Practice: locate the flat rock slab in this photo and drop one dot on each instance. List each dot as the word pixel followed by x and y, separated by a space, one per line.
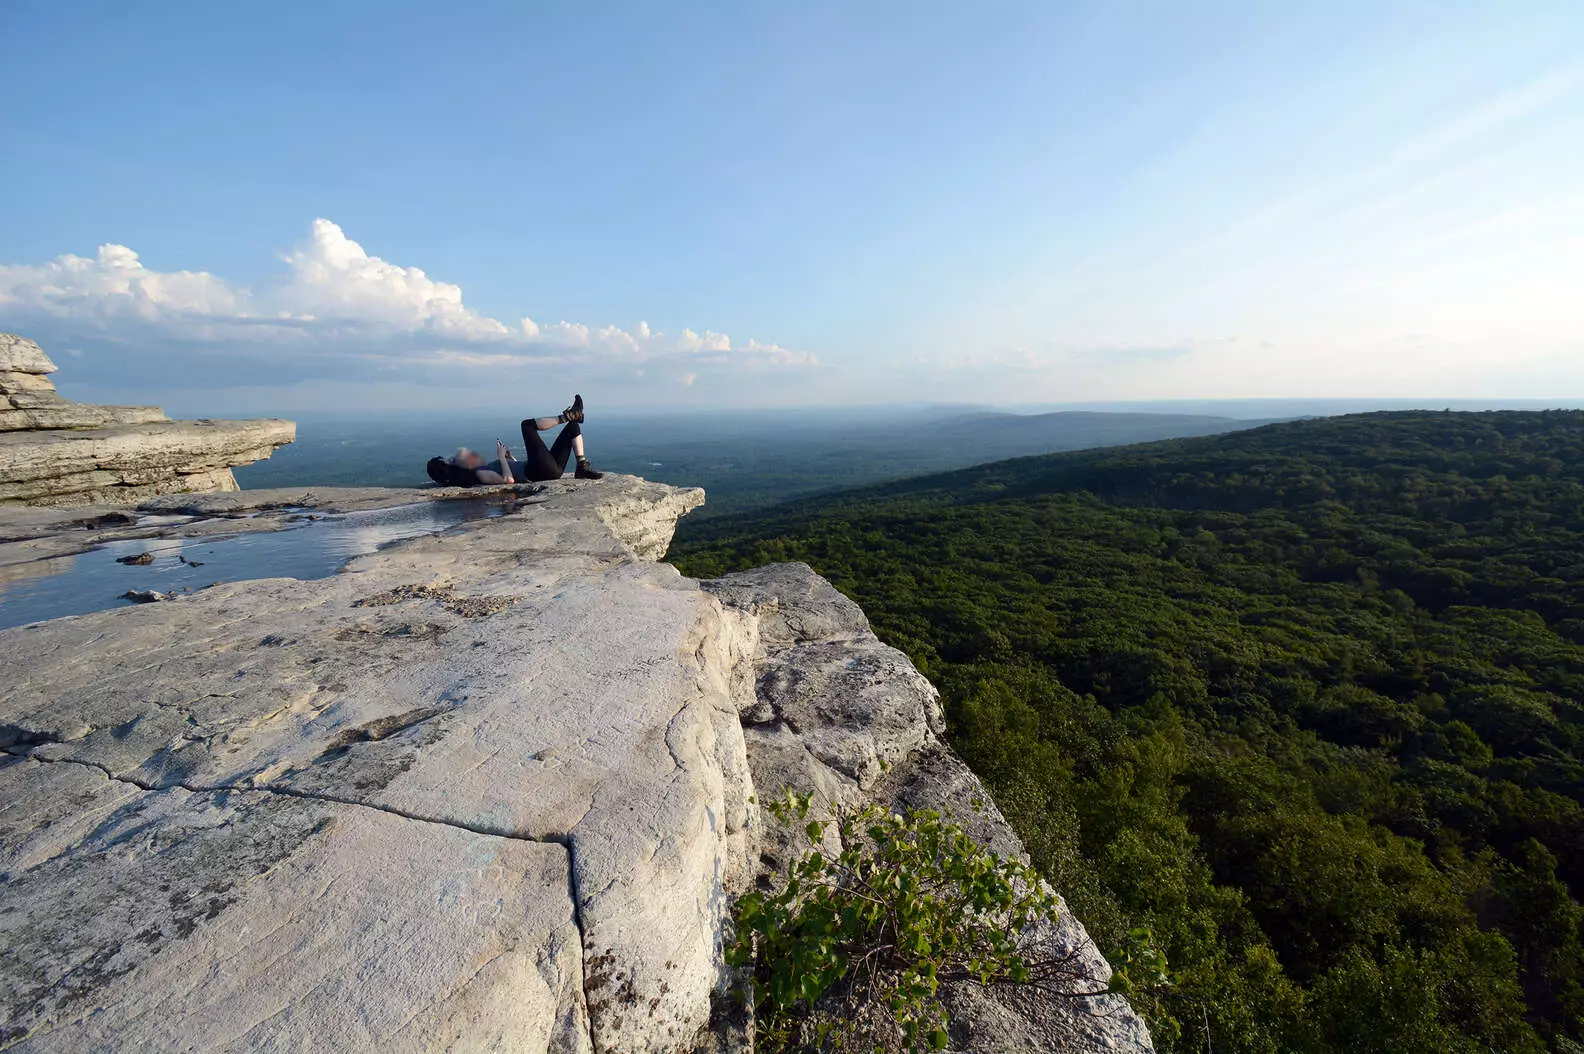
pixel 129 462
pixel 642 514
pixel 33 411
pixel 57 452
pixel 20 355
pixel 320 499
pixel 146 921
pixel 135 448
pixel 12 383
pixel 489 789
pixel 482 790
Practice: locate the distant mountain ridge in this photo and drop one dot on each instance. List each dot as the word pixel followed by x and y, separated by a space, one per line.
pixel 744 460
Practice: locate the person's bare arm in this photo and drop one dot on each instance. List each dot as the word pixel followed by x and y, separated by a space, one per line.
pixel 503 452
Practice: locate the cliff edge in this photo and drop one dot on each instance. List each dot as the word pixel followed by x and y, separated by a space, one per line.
pixel 57 452
pixel 491 789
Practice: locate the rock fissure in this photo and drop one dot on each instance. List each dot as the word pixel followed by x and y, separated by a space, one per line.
pixel 289 792
pixel 584 950
pixel 94 765
pixel 670 729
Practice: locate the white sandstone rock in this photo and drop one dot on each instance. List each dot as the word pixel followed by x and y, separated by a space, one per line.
pixel 57 452
pixel 20 355
pixel 14 382
pixel 850 722
pixel 524 684
pixel 483 790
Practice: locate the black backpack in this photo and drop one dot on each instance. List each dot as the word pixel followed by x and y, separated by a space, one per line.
pixel 449 475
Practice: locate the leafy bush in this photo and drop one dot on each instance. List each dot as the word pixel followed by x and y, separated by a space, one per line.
pixel 851 952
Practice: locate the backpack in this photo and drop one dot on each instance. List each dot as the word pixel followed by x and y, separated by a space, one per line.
pixel 448 475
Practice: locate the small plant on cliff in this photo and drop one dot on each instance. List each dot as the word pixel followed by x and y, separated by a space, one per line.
pixel 851 952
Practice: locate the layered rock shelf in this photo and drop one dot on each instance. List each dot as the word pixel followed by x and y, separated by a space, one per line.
pixel 492 789
pixel 57 452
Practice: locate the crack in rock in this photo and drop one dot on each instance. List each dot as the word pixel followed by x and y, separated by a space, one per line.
pixel 287 792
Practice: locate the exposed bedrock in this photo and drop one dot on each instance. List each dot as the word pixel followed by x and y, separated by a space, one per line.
pixel 485 790
pixel 57 452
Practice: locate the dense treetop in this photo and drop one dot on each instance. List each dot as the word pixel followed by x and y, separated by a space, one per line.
pixel 1306 700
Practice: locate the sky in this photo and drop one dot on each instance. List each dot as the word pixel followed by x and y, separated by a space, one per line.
pixel 677 206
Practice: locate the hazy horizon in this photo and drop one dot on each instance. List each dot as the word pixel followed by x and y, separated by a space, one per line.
pixel 1235 409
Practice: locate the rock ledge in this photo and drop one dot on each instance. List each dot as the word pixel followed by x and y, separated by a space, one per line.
pixel 57 452
pixel 485 790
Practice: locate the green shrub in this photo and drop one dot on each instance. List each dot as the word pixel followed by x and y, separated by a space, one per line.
pixel 851 952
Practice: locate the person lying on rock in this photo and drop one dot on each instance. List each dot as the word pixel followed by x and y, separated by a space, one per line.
pixel 468 468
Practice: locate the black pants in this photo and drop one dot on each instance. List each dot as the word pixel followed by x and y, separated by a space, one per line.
pixel 541 462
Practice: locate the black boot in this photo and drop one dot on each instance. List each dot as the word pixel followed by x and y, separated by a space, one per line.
pixel 573 412
pixel 586 470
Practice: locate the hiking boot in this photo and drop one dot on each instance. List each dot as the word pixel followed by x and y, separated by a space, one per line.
pixel 573 412
pixel 586 470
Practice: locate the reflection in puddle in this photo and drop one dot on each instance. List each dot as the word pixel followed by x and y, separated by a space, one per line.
pixel 92 581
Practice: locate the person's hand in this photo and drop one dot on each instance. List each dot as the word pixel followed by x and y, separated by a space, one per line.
pixel 504 453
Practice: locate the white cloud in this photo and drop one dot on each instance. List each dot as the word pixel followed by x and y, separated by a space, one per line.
pixel 718 347
pixel 775 353
pixel 113 285
pixel 567 334
pixel 334 301
pixel 691 342
pixel 619 341
pixel 332 277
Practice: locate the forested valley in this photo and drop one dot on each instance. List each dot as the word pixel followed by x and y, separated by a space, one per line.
pixel 1306 701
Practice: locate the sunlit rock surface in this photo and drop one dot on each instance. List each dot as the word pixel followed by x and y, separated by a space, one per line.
pixel 57 452
pixel 484 790
pixel 836 714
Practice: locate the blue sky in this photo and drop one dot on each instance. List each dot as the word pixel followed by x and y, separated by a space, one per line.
pixel 298 206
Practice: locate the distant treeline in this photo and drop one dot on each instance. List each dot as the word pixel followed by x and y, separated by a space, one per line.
pixel 744 461
pixel 1306 700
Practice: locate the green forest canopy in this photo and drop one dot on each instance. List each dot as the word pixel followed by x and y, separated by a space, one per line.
pixel 1306 700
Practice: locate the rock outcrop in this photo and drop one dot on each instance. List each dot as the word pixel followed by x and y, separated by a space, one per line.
pixel 485 790
pixel 836 714
pixel 57 452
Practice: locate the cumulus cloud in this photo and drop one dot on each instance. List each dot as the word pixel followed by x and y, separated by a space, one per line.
pixel 332 277
pixel 691 342
pixel 113 285
pixel 335 302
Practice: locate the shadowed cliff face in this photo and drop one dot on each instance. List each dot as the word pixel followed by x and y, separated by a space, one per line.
pixel 490 789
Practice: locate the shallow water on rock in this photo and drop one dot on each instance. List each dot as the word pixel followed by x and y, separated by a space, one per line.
pixel 313 546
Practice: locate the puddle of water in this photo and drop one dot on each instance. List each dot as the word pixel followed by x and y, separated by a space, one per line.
pixel 93 581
